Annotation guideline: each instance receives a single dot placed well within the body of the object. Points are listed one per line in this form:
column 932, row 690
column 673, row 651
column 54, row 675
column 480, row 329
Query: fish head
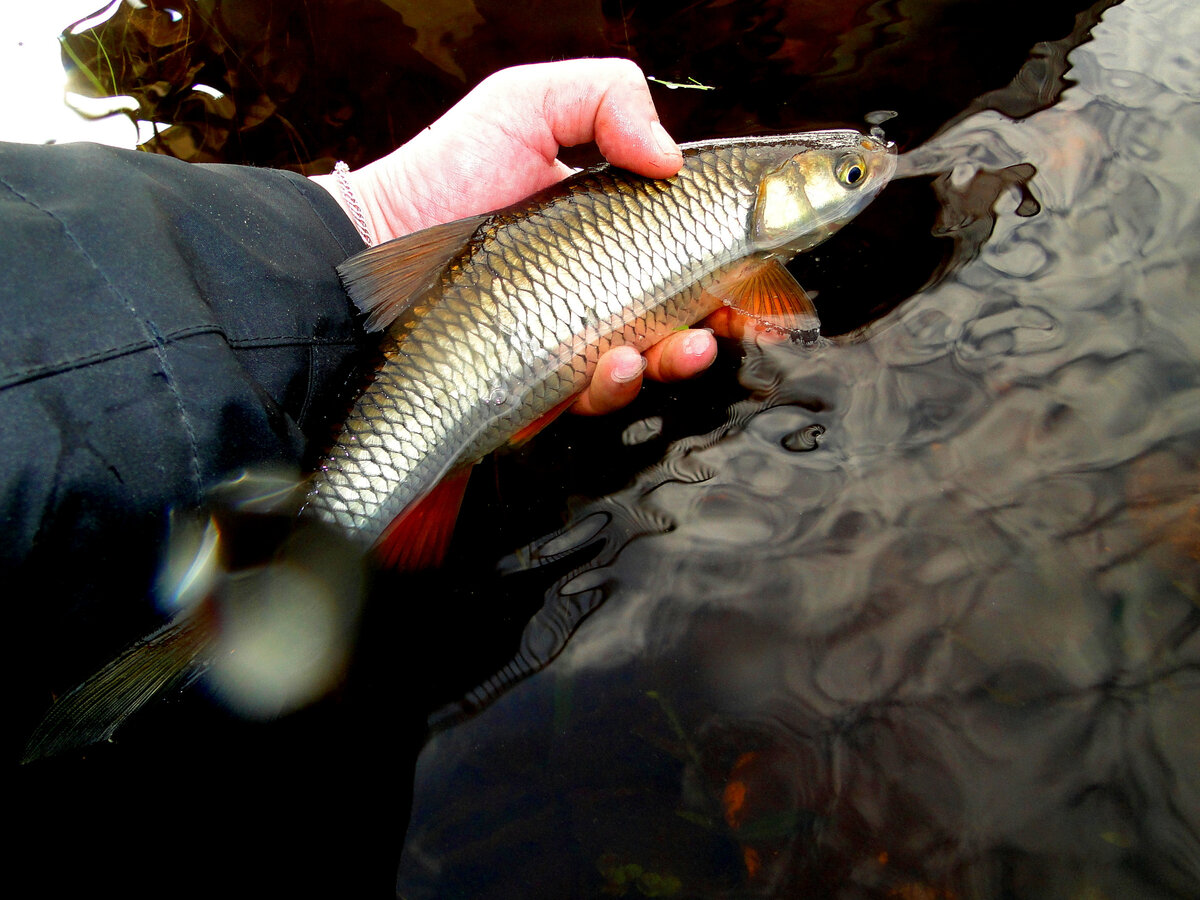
column 819, row 181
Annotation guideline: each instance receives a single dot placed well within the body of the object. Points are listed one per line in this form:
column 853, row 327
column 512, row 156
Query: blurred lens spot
column 192, row 565
column 285, row 639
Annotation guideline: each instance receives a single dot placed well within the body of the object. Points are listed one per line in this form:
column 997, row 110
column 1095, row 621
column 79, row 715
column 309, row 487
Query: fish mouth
column 885, row 158
column 882, row 157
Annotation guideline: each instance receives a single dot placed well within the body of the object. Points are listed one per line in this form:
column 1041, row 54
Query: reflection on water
column 923, row 622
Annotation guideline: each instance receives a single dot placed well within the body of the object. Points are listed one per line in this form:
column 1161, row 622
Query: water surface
column 919, row 621
column 923, row 621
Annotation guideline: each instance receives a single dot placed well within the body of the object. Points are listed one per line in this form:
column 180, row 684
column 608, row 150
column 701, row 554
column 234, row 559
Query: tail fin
column 265, row 606
column 90, row 713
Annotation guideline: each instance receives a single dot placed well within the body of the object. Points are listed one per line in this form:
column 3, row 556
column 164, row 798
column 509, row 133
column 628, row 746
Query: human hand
column 500, row 144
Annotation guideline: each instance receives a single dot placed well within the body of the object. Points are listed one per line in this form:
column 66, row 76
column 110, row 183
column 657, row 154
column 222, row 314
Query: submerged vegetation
column 270, row 82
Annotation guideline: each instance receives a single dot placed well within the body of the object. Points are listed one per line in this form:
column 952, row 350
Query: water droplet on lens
column 803, row 439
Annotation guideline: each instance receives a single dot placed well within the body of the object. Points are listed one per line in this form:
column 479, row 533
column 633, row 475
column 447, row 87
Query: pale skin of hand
column 500, row 144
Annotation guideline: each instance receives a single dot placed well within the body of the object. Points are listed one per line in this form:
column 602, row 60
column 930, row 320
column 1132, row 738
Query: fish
column 493, row 324
column 489, row 326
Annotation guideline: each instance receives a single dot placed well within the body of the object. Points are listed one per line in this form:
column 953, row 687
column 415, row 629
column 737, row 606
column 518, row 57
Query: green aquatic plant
column 691, row 84
column 288, row 83
column 620, row 876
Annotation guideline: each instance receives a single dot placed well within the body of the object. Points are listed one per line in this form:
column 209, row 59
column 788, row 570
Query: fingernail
column 626, row 369
column 666, row 146
column 696, row 343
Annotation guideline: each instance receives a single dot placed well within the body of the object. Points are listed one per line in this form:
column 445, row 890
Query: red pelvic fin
column 765, row 291
column 419, row 537
column 541, row 422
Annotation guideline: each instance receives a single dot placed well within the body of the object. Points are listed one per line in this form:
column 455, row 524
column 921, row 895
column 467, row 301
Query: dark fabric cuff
column 162, row 327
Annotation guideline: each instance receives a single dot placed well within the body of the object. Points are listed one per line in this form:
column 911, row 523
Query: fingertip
column 697, row 350
column 682, row 355
column 671, row 155
column 625, row 365
column 727, row 323
column 699, row 347
column 615, row 383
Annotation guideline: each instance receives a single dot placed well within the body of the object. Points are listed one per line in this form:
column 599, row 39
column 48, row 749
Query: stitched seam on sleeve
column 312, row 381
column 45, row 370
column 49, row 369
column 290, row 340
column 155, row 339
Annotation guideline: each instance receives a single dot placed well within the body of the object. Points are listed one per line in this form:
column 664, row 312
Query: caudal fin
column 93, row 711
column 265, row 605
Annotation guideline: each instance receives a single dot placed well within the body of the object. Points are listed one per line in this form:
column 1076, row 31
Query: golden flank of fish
column 494, row 323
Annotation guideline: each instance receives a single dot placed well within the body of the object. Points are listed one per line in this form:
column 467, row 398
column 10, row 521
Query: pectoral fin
column 384, row 280
column 765, row 291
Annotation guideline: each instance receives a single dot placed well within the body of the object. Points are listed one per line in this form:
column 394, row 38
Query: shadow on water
column 917, row 621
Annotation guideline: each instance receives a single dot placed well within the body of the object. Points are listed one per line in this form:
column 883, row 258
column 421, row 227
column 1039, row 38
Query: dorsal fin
column 383, row 281
column 765, row 291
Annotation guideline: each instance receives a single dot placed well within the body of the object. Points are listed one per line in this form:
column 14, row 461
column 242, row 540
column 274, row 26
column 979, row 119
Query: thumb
column 606, row 101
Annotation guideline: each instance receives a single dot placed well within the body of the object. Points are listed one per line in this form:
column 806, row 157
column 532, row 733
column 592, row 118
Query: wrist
column 355, row 194
column 385, row 193
column 341, row 189
column 349, row 199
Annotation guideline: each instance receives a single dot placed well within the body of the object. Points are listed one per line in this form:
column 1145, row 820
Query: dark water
column 920, row 622
column 943, row 645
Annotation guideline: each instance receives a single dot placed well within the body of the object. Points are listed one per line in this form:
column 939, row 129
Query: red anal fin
column 541, row 422
column 765, row 291
column 419, row 537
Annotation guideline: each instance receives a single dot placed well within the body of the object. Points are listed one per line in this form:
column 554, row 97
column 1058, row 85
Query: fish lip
column 887, row 160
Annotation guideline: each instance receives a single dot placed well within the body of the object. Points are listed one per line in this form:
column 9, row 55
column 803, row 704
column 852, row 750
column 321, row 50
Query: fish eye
column 851, row 171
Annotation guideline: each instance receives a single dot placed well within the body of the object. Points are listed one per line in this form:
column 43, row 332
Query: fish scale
column 512, row 323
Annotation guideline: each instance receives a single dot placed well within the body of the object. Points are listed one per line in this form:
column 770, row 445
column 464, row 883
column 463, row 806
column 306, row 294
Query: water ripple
column 923, row 618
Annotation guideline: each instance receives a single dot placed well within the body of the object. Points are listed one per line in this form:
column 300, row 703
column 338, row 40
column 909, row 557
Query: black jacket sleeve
column 162, row 326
